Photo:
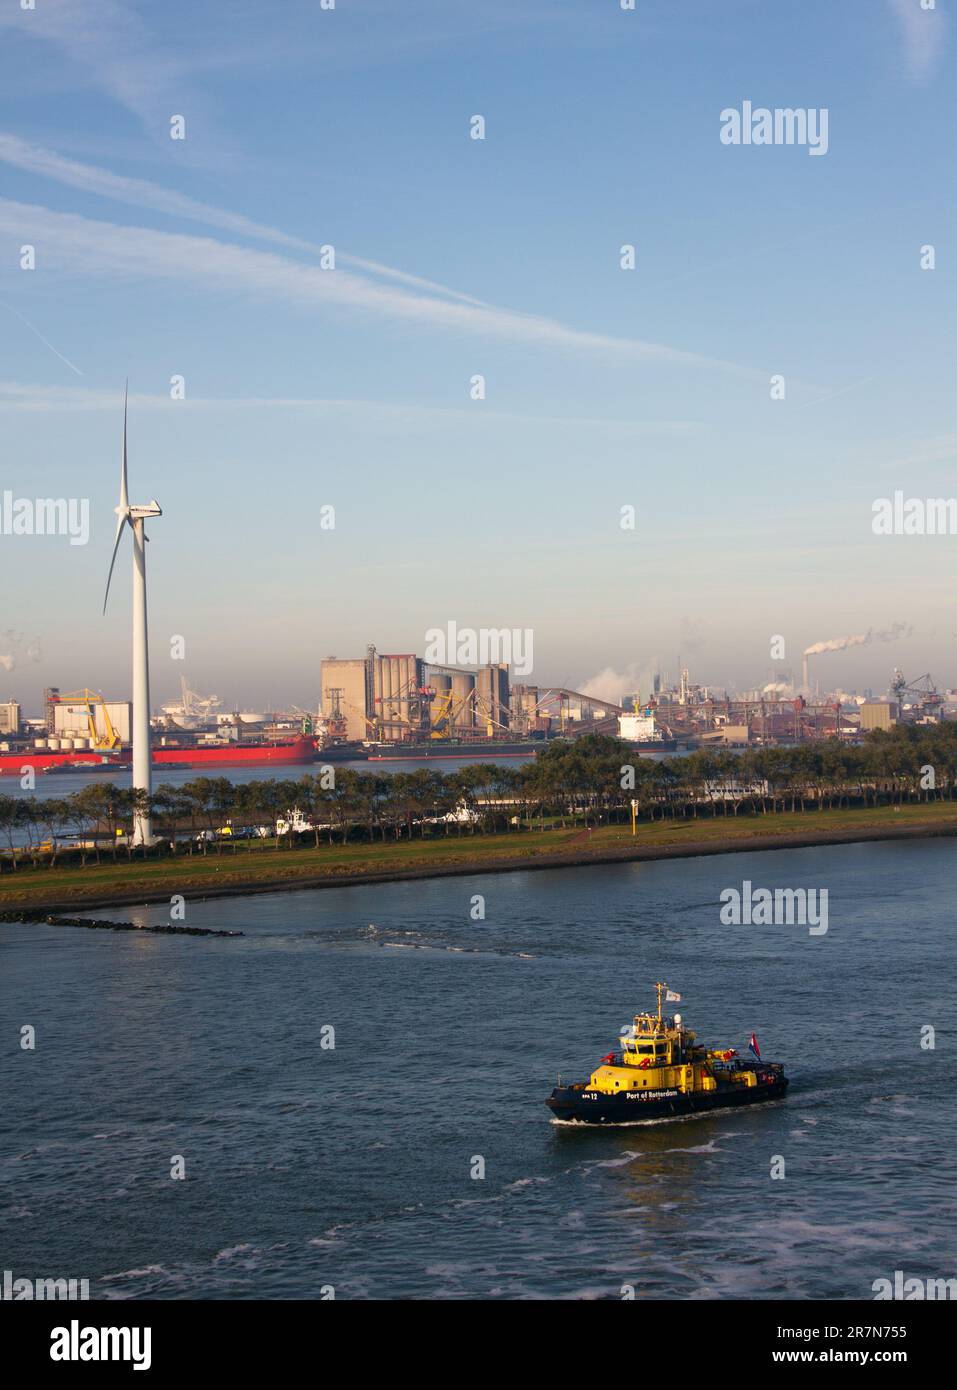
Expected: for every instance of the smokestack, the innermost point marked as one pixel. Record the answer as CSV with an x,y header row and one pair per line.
x,y
805,677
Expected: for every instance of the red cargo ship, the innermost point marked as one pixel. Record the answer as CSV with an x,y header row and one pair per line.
x,y
213,756
296,750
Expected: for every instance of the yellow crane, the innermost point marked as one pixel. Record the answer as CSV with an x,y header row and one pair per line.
x,y
109,739
446,710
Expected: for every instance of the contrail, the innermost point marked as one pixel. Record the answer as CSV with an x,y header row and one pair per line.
x,y
141,193
33,329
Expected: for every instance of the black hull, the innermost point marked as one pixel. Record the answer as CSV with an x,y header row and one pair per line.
x,y
593,1108
482,752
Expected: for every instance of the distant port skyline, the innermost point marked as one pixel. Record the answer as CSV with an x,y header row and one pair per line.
x,y
611,684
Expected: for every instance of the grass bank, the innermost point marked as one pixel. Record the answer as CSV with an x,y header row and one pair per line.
x,y
238,871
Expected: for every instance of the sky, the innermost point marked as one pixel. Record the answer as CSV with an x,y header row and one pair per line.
x,y
351,387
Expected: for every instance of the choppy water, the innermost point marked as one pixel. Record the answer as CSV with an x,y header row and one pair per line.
x,y
351,1167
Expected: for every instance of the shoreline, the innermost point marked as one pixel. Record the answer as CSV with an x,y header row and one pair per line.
x,y
283,880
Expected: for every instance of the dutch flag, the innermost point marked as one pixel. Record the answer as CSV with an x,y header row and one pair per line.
x,y
753,1045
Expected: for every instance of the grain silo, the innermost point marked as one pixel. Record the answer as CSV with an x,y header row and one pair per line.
x,y
463,701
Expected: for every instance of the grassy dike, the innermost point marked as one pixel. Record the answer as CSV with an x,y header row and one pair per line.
x,y
264,869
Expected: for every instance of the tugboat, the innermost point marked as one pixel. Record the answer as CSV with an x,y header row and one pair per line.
x,y
659,1073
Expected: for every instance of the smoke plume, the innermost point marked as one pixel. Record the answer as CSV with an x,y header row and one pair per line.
x,y
18,649
861,639
613,686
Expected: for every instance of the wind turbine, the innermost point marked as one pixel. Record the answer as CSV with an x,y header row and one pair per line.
x,y
136,517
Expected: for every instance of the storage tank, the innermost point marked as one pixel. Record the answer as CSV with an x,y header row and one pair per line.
x,y
53,744
81,743
463,700
39,743
67,745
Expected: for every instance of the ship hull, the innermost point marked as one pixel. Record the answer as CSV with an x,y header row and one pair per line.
x,y
13,764
342,753
481,752
573,1104
293,753
300,750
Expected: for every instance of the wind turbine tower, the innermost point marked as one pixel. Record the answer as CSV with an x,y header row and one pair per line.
x,y
136,516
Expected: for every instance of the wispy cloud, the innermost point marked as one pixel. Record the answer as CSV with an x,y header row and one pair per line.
x,y
144,57
924,33
111,47
27,397
84,246
142,193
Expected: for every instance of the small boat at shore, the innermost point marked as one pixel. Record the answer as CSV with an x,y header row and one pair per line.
x,y
660,1072
104,766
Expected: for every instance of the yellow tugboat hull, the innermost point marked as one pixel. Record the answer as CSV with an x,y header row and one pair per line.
x,y
585,1105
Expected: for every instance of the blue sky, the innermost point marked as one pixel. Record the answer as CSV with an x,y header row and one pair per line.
x,y
455,257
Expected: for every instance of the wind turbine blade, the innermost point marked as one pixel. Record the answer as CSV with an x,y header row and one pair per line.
x,y
124,494
123,510
116,545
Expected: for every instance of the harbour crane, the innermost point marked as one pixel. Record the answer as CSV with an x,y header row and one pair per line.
x,y
922,692
109,738
446,710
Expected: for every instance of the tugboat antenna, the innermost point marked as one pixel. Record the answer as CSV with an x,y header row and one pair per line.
x,y
659,987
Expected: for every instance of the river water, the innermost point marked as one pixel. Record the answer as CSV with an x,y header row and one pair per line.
x,y
57,784
358,1167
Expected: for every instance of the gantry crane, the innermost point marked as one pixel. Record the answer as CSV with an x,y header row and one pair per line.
x,y
923,692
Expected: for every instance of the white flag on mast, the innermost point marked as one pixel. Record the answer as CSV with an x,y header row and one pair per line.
x,y
672,997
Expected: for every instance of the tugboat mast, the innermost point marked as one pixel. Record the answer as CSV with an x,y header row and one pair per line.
x,y
659,987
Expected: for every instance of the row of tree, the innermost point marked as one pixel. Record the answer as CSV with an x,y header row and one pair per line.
x,y
587,781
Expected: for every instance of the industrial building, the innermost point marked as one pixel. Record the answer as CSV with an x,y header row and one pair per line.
x,y
112,720
397,685
378,696
10,718
492,701
401,698
879,714
394,697
345,697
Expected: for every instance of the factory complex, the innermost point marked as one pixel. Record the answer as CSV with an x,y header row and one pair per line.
x,y
398,706
384,699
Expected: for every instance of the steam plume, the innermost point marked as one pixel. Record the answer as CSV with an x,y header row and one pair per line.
x,y
861,639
